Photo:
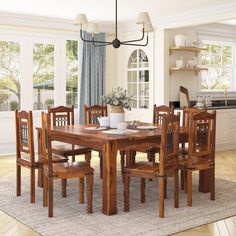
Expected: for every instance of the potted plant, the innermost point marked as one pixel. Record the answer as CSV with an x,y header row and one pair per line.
x,y
119,99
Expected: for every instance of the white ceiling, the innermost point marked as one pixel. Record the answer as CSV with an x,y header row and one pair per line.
x,y
103,10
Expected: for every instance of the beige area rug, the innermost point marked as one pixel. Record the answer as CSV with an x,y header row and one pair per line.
x,y
70,217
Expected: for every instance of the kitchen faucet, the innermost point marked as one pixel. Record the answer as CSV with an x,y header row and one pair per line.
x,y
226,96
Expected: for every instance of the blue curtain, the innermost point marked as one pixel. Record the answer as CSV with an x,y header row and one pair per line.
x,y
91,72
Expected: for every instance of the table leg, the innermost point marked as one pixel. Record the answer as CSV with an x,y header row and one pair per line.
x,y
204,181
109,178
40,170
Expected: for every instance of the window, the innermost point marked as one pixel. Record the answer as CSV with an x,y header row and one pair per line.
x,y
72,73
138,79
218,58
9,76
43,75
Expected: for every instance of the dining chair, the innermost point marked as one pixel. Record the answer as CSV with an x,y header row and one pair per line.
x,y
63,171
158,112
167,167
201,150
184,142
61,116
25,155
91,113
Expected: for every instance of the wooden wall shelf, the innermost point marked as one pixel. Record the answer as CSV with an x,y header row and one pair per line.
x,y
196,70
188,49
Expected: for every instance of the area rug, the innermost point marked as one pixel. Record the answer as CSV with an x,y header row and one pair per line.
x,y
70,216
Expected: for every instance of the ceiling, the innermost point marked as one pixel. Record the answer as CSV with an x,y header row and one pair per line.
x,y
103,10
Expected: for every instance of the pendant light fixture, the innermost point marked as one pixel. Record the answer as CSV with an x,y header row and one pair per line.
x,y
143,19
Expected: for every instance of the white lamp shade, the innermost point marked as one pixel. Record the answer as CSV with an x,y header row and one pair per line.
x,y
81,19
143,18
148,27
92,28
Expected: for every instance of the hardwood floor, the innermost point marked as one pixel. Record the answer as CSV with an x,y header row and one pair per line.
x,y
225,169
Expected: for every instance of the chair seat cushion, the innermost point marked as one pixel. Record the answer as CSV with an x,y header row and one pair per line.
x,y
72,169
67,150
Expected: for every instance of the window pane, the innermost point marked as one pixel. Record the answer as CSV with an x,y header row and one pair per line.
x,y
219,61
144,76
215,60
43,75
132,76
215,48
133,60
9,76
143,59
206,59
72,73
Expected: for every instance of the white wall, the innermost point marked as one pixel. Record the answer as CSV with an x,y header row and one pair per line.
x,y
186,79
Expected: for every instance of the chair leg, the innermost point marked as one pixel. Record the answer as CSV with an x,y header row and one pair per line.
x,y
142,190
161,196
126,192
189,188
32,185
50,197
176,189
89,182
45,191
18,180
182,173
63,188
185,181
81,190
165,188
88,158
212,188
122,163
73,158
101,165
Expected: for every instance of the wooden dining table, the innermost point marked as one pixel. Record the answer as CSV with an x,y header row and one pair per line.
x,y
109,144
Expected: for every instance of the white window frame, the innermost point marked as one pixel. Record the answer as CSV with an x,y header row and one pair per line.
x,y
26,38
233,63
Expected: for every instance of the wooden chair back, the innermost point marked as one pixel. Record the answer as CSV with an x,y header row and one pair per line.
x,y
61,115
24,134
187,112
202,136
46,143
158,112
169,143
91,113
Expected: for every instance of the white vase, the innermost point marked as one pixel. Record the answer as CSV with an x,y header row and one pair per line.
x,y
180,40
117,116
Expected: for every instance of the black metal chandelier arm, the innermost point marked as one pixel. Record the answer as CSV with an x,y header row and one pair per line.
x,y
92,41
135,40
101,45
136,44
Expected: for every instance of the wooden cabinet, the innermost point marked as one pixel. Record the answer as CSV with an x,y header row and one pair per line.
x,y
222,127
186,49
225,129
233,126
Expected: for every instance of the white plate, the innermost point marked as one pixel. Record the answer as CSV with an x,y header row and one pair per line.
x,y
116,131
147,127
95,128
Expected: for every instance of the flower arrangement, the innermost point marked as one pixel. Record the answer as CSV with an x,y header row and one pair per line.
x,y
118,97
